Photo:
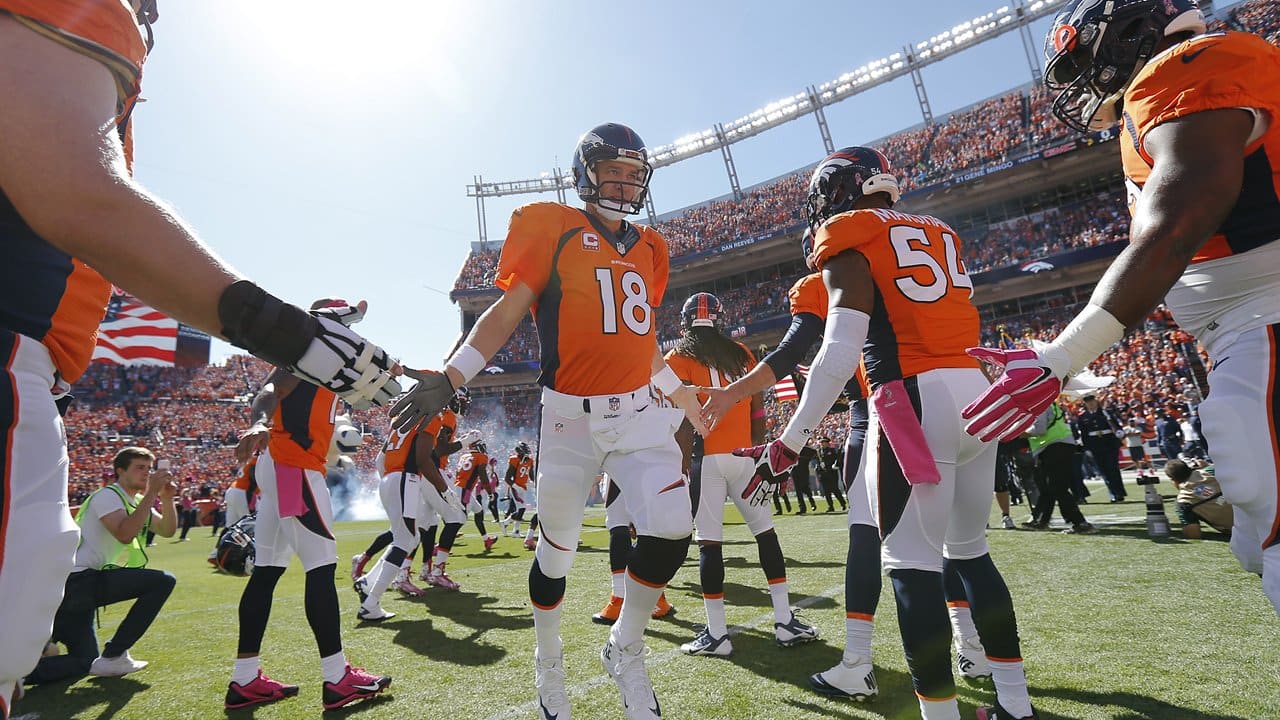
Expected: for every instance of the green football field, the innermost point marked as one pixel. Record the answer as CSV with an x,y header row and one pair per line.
x,y
1113,625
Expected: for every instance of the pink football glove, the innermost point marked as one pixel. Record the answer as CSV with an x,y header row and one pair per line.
x,y
1031,381
773,462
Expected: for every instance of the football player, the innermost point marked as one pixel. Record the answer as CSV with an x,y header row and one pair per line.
x,y
73,222
292,428
442,427
617,522
521,497
854,676
705,357
593,281
1199,122
406,464
469,481
900,300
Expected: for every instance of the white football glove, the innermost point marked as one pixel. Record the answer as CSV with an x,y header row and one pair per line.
x,y
340,310
349,365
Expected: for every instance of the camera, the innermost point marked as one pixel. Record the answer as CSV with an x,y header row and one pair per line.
x,y
1149,480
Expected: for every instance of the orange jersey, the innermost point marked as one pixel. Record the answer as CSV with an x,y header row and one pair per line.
x,y
45,293
247,480
596,296
734,429
1213,72
302,427
523,469
472,463
443,427
400,453
923,318
809,295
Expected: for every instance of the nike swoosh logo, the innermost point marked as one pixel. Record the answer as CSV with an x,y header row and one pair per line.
x,y
1045,373
374,687
1188,57
545,712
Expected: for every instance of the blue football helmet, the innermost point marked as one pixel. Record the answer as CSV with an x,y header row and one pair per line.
x,y
610,141
844,176
701,310
1096,47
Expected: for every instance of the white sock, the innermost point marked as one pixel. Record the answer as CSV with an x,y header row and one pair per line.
x,y
715,615
546,628
637,610
1011,686
245,670
441,556
407,563
939,709
334,667
618,583
377,584
781,600
961,620
857,636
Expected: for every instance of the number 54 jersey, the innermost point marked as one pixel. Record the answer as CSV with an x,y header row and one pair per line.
x,y
597,294
923,318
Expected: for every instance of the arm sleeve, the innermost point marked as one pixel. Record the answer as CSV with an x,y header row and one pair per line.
x,y
806,329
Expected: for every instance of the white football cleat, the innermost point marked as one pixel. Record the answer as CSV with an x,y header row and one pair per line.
x,y
794,632
117,666
548,678
626,667
854,679
704,644
971,659
376,614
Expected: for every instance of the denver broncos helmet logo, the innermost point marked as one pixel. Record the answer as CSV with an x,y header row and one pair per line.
x,y
1065,38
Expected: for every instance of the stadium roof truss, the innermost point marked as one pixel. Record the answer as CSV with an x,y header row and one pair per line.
x,y
810,101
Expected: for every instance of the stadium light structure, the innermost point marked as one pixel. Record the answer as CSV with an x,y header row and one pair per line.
x,y
878,72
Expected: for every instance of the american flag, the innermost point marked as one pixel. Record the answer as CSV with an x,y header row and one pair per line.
x,y
135,334
785,389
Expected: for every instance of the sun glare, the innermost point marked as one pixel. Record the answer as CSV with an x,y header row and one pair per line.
x,y
352,46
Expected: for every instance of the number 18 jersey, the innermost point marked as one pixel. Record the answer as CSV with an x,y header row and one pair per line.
x,y
597,295
923,318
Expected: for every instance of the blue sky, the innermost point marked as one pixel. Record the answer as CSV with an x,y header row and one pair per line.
x,y
323,149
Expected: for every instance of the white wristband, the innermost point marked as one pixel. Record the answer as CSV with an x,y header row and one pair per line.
x,y
666,380
467,361
1088,336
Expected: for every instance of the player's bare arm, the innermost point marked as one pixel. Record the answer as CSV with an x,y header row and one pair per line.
x,y
721,400
424,442
757,418
1195,181
254,440
684,396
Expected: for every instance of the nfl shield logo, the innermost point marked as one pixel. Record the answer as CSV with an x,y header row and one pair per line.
x,y
614,404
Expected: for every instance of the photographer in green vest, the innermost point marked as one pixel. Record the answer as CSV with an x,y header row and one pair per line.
x,y
110,567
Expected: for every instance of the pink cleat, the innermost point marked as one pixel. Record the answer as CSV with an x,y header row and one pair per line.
x,y
439,579
354,686
406,586
489,540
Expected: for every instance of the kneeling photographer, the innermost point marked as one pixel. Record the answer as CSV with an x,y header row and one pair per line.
x,y
110,567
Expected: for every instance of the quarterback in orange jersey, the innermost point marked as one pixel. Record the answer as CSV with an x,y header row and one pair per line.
x,y
705,357
291,434
594,282
899,299
1200,136
72,222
